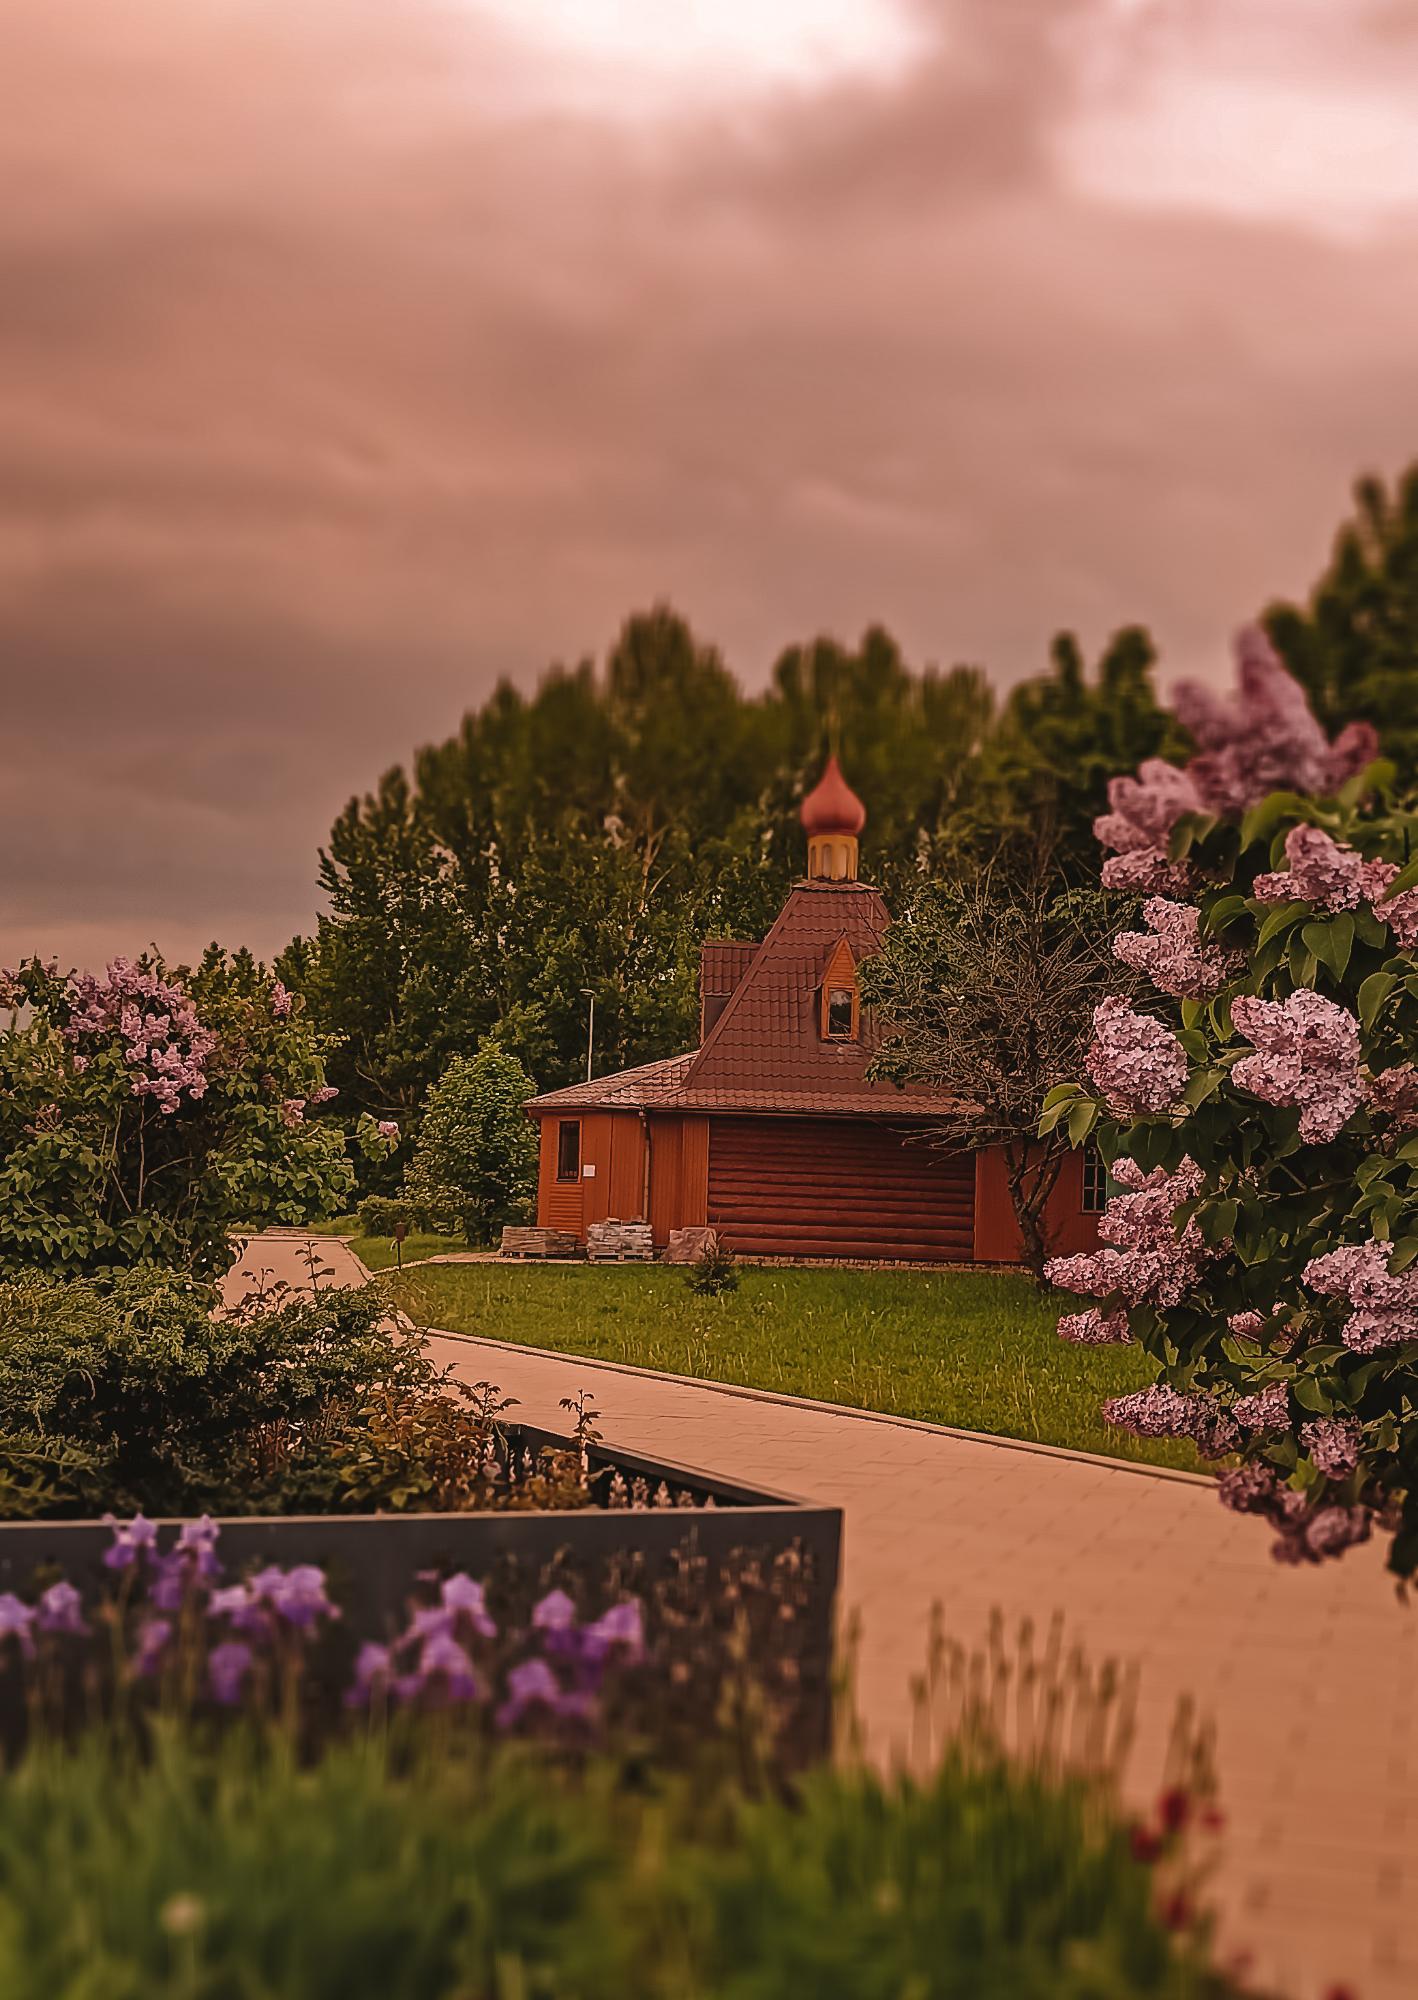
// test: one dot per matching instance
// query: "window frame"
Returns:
(849, 994)
(564, 1126)
(1094, 1183)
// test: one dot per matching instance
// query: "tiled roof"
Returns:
(638, 1089)
(765, 1053)
(723, 963)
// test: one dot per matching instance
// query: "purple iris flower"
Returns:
(16, 1619)
(621, 1628)
(373, 1667)
(227, 1668)
(130, 1539)
(555, 1613)
(244, 1611)
(445, 1660)
(153, 1636)
(465, 1598)
(197, 1540)
(534, 1685)
(297, 1595)
(61, 1610)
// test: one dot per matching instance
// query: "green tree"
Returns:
(1354, 644)
(475, 1163)
(146, 1114)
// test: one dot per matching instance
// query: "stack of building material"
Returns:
(687, 1246)
(538, 1243)
(614, 1242)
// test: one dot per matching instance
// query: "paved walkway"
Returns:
(1310, 1676)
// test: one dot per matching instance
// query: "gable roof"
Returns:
(640, 1089)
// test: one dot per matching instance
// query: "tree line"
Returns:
(591, 833)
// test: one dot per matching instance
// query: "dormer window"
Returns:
(841, 1014)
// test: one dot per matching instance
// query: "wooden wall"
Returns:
(996, 1233)
(818, 1187)
(612, 1142)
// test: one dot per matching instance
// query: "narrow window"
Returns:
(840, 1026)
(1095, 1182)
(568, 1150)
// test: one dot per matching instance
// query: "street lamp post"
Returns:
(590, 994)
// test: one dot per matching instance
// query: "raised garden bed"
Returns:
(647, 1515)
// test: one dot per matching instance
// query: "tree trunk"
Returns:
(1031, 1181)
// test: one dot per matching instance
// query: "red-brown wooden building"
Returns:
(770, 1131)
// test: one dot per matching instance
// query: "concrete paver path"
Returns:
(1310, 1675)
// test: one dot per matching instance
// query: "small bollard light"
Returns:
(401, 1230)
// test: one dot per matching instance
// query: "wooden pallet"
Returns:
(528, 1242)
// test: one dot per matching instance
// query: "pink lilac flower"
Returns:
(281, 1002)
(1333, 1444)
(1267, 1410)
(1324, 873)
(227, 1668)
(1308, 1055)
(1138, 1066)
(1142, 812)
(1248, 1489)
(1385, 1306)
(293, 1111)
(1095, 1329)
(1266, 740)
(1171, 952)
(324, 1094)
(60, 1609)
(163, 1040)
(1393, 1093)
(1332, 1530)
(1247, 1324)
(1400, 913)
(130, 1540)
(1143, 1259)
(153, 1636)
(1160, 1411)
(16, 1622)
(388, 1129)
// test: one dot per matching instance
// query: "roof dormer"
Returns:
(840, 1006)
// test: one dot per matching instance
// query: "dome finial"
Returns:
(833, 817)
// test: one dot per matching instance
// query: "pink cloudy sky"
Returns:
(353, 353)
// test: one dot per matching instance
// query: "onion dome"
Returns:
(832, 817)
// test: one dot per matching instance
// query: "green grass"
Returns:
(977, 1349)
(377, 1252)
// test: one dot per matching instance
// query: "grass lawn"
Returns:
(377, 1252)
(973, 1348)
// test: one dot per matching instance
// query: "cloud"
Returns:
(351, 357)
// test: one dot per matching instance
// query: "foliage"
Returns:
(381, 1214)
(714, 1271)
(1262, 1244)
(1352, 646)
(975, 1349)
(421, 1867)
(145, 1114)
(594, 833)
(128, 1391)
(984, 990)
(475, 1161)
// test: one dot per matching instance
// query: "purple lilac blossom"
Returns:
(1172, 954)
(157, 1023)
(1248, 1489)
(1393, 1094)
(1144, 1260)
(325, 1093)
(1332, 1530)
(281, 1002)
(1267, 1410)
(1137, 1065)
(1323, 872)
(1307, 1055)
(227, 1668)
(1333, 1444)
(1385, 1307)
(293, 1111)
(1095, 1329)
(1160, 1411)
(1400, 913)
(387, 1128)
(1247, 1324)
(60, 1609)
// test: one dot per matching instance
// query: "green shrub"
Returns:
(475, 1163)
(714, 1271)
(145, 1115)
(422, 1873)
(381, 1214)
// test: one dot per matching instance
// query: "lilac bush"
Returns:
(145, 1113)
(1259, 1115)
